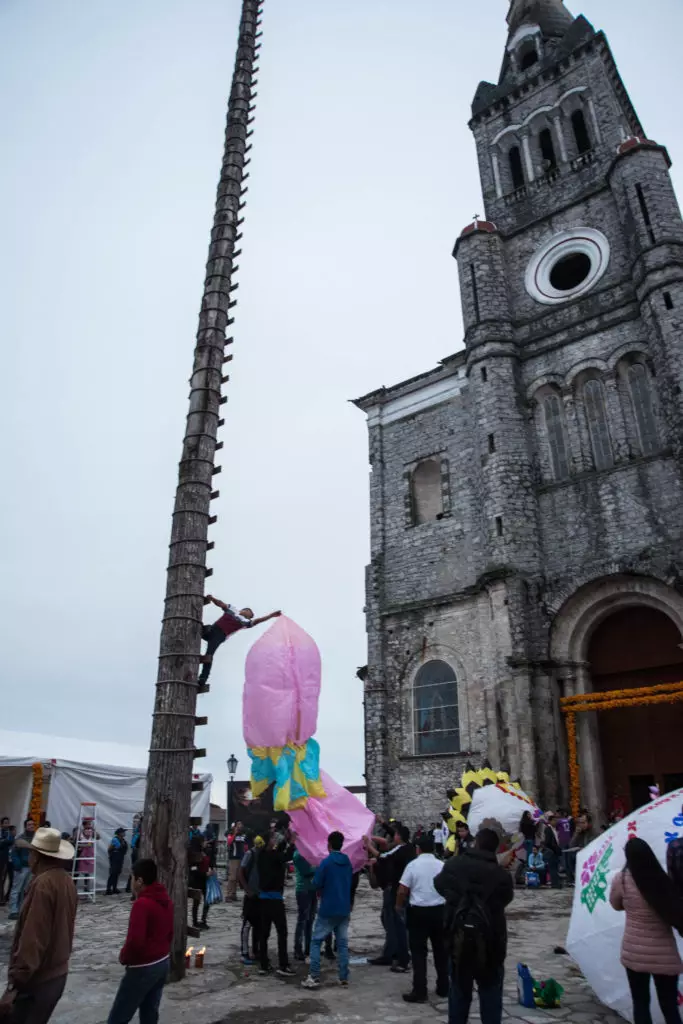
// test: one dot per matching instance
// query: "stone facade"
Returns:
(539, 469)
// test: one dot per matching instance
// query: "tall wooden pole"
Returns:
(173, 749)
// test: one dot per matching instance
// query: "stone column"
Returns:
(590, 755)
(526, 148)
(559, 133)
(496, 175)
(576, 459)
(594, 121)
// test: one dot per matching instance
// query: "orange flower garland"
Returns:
(36, 806)
(663, 693)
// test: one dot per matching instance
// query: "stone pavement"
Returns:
(226, 991)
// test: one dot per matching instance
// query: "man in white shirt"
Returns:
(425, 920)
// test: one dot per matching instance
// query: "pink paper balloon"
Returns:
(340, 811)
(281, 687)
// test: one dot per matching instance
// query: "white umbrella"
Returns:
(595, 929)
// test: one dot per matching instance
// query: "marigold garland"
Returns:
(663, 693)
(36, 805)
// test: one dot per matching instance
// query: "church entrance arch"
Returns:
(622, 634)
(641, 746)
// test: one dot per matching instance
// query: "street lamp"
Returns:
(232, 771)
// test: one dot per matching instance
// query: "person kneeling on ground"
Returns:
(425, 920)
(145, 953)
(476, 890)
(333, 880)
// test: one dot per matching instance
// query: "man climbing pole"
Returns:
(231, 621)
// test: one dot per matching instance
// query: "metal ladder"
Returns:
(87, 814)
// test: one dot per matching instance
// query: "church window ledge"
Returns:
(586, 474)
(440, 757)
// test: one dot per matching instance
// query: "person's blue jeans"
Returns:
(397, 933)
(490, 998)
(323, 927)
(141, 989)
(305, 902)
(22, 877)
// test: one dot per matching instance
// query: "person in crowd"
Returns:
(85, 854)
(437, 836)
(135, 841)
(477, 891)
(333, 879)
(117, 850)
(528, 828)
(581, 837)
(305, 903)
(464, 838)
(616, 810)
(674, 862)
(21, 870)
(388, 869)
(654, 908)
(565, 828)
(273, 860)
(550, 848)
(6, 843)
(231, 621)
(145, 953)
(445, 833)
(39, 959)
(199, 868)
(248, 878)
(237, 847)
(425, 918)
(10, 863)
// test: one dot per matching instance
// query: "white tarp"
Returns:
(118, 793)
(503, 803)
(595, 929)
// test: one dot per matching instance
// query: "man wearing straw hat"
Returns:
(39, 961)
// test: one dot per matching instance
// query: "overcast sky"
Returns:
(363, 173)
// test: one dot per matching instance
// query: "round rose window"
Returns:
(567, 266)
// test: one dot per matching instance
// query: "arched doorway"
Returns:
(641, 746)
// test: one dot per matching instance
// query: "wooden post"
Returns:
(172, 750)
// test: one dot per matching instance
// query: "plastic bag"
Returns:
(548, 994)
(214, 893)
(525, 986)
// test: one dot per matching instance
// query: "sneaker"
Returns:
(397, 969)
(13, 917)
(286, 972)
(266, 970)
(247, 961)
(310, 982)
(203, 925)
(380, 961)
(344, 983)
(413, 997)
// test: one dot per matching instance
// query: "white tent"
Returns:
(119, 794)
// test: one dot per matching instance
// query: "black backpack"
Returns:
(472, 938)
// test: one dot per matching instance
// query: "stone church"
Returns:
(526, 495)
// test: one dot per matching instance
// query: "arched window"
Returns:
(516, 172)
(528, 56)
(581, 136)
(545, 142)
(426, 491)
(554, 430)
(641, 398)
(596, 417)
(435, 703)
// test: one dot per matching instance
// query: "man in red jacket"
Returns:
(145, 953)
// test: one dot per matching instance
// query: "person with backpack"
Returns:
(477, 890)
(654, 908)
(248, 878)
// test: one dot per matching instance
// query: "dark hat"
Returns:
(120, 830)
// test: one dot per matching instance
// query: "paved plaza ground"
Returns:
(226, 991)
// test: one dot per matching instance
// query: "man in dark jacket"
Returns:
(476, 890)
(272, 865)
(118, 848)
(6, 843)
(39, 961)
(145, 953)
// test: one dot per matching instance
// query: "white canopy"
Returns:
(119, 794)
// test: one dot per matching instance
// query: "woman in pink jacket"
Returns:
(653, 910)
